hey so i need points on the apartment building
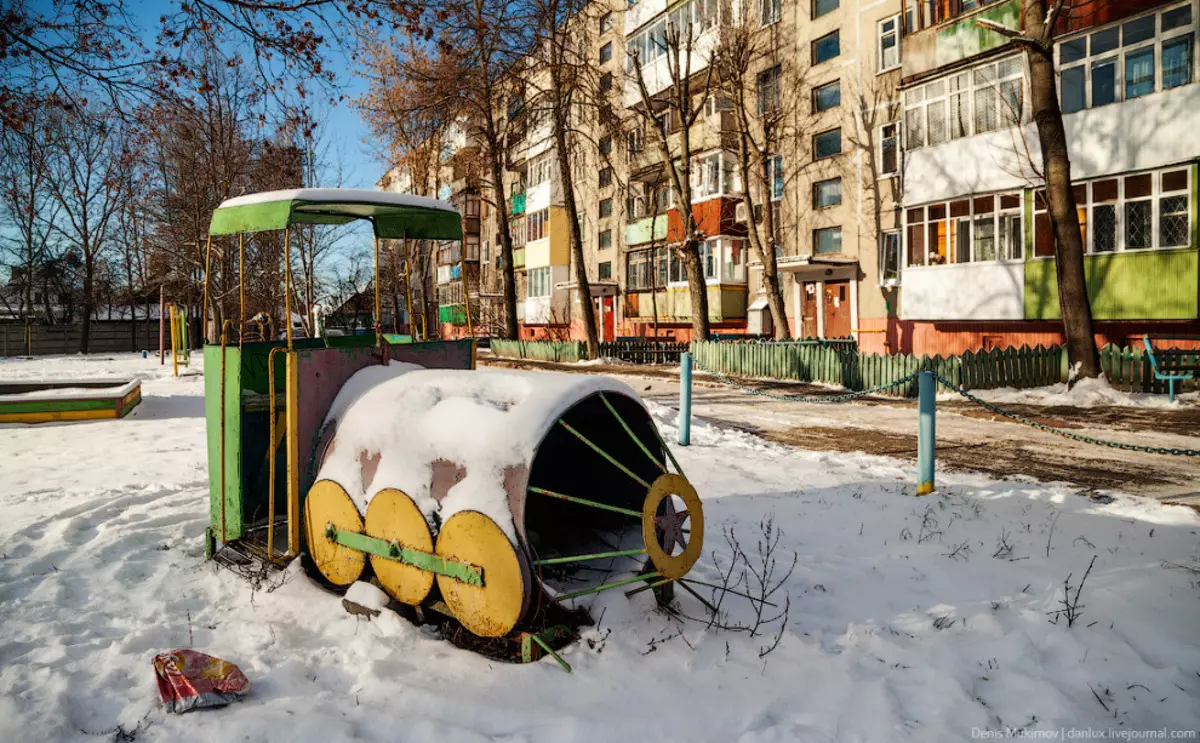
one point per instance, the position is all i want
(978, 267)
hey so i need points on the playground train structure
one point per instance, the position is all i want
(490, 500)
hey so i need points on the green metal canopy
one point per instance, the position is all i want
(393, 215)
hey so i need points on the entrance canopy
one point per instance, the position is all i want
(393, 215)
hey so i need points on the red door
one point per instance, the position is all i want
(608, 322)
(837, 309)
(808, 310)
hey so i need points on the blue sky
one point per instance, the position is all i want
(345, 130)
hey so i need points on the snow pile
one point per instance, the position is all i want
(911, 619)
(482, 421)
(1087, 393)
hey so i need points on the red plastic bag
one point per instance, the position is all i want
(189, 680)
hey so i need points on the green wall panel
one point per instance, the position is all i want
(966, 38)
(233, 437)
(1151, 285)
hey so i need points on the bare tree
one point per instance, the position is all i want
(28, 205)
(88, 180)
(563, 51)
(1041, 17)
(760, 110)
(681, 102)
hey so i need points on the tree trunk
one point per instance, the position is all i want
(1056, 167)
(89, 301)
(582, 285)
(509, 275)
(764, 248)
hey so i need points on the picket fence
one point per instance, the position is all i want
(840, 363)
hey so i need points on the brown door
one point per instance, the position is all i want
(837, 309)
(808, 310)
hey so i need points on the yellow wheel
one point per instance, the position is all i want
(672, 549)
(391, 515)
(329, 504)
(493, 609)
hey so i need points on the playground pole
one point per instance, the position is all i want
(685, 398)
(162, 328)
(926, 432)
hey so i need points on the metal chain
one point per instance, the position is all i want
(1064, 433)
(952, 386)
(802, 398)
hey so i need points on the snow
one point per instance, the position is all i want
(367, 595)
(903, 626)
(483, 421)
(116, 388)
(339, 196)
(1086, 393)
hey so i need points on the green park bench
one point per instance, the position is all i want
(1170, 365)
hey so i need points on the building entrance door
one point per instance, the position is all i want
(837, 309)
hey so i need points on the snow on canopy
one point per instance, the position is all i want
(339, 196)
(392, 215)
(482, 420)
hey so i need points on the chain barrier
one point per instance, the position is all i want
(1064, 433)
(954, 387)
(802, 398)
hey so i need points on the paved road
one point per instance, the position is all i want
(969, 437)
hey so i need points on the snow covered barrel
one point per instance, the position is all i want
(473, 481)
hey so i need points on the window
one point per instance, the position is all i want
(540, 169)
(827, 96)
(537, 225)
(827, 193)
(1127, 60)
(972, 102)
(889, 258)
(1142, 211)
(690, 17)
(606, 145)
(889, 43)
(606, 82)
(769, 99)
(775, 168)
(606, 52)
(708, 259)
(889, 149)
(821, 7)
(982, 228)
(633, 141)
(606, 177)
(715, 104)
(605, 208)
(646, 270)
(538, 282)
(770, 11)
(827, 240)
(825, 48)
(827, 144)
(715, 174)
(678, 271)
(604, 242)
(606, 23)
(605, 271)
(664, 198)
(733, 257)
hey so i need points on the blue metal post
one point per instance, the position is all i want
(926, 433)
(685, 398)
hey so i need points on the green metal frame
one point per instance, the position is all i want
(459, 571)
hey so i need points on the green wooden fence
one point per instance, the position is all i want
(643, 351)
(540, 350)
(1126, 368)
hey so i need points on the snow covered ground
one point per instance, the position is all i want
(1086, 393)
(909, 619)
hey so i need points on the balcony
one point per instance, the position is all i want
(519, 257)
(518, 203)
(957, 36)
(645, 230)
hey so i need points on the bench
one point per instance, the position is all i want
(1170, 366)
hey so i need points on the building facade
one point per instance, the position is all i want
(903, 175)
(978, 264)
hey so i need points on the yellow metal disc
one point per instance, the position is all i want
(328, 503)
(493, 609)
(662, 532)
(392, 515)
